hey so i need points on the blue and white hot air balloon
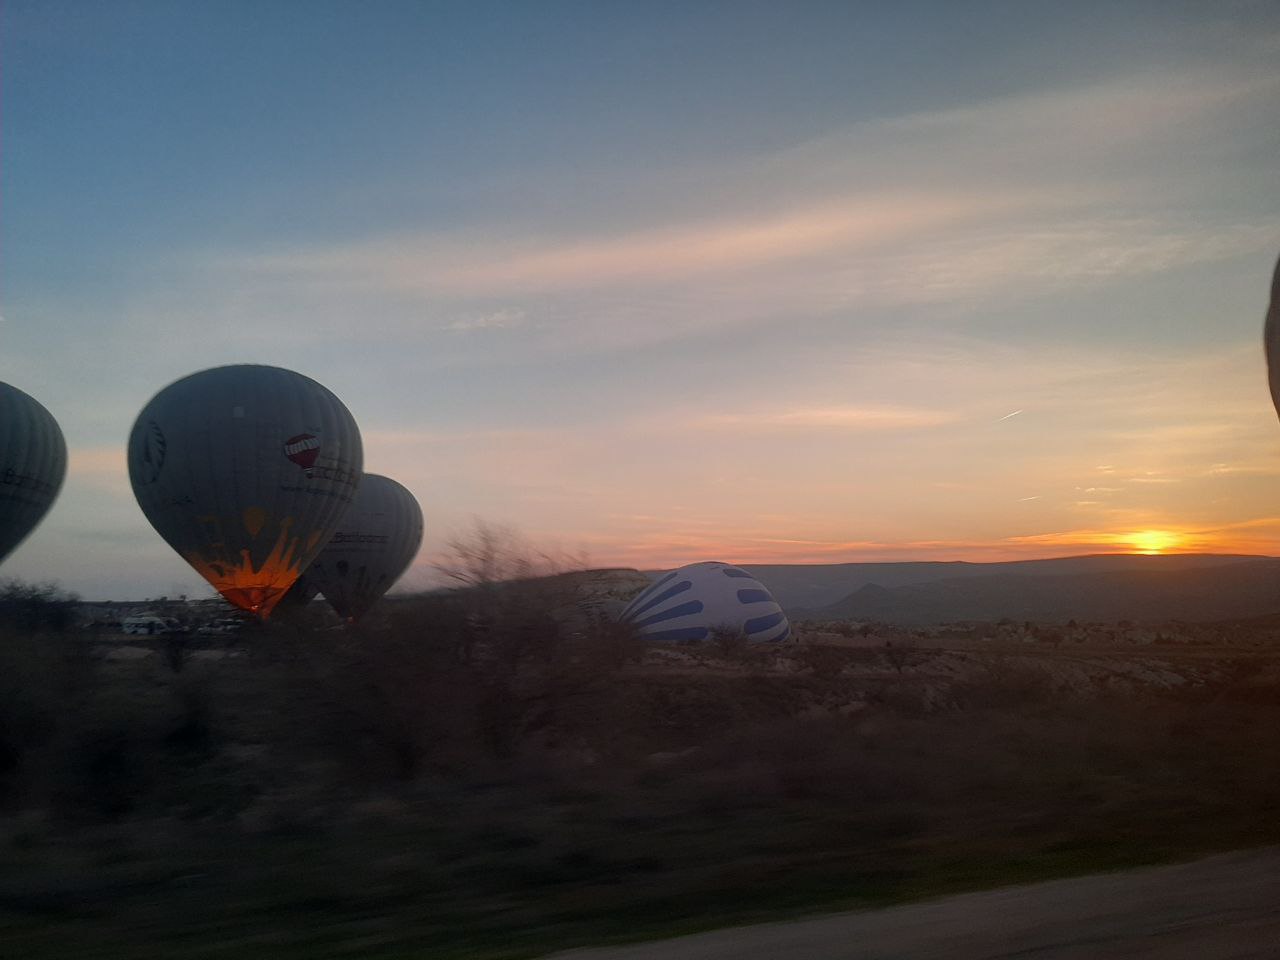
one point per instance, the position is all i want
(692, 602)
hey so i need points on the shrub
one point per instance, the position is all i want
(35, 607)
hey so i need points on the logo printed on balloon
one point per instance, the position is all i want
(303, 450)
(153, 449)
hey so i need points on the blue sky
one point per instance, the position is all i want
(665, 282)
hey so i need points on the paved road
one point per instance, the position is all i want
(1223, 908)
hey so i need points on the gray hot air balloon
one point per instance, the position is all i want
(33, 461)
(246, 472)
(375, 543)
(303, 591)
(1271, 338)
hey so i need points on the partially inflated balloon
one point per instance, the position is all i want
(375, 543)
(1271, 339)
(246, 472)
(693, 602)
(33, 462)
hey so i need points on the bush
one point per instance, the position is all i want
(31, 607)
(44, 679)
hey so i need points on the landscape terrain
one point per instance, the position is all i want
(1100, 587)
(504, 772)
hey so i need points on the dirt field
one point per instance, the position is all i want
(1223, 908)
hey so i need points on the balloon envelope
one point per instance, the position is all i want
(33, 463)
(692, 602)
(374, 544)
(245, 471)
(298, 596)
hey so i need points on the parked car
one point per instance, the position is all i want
(224, 626)
(147, 624)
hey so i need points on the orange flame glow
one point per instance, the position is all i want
(258, 589)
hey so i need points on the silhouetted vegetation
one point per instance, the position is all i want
(35, 606)
(495, 772)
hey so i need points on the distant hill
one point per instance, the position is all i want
(802, 587)
(1198, 588)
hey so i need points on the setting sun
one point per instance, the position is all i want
(1155, 541)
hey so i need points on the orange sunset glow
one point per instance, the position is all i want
(1155, 541)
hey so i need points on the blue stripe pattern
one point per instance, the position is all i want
(678, 589)
(648, 591)
(661, 580)
(760, 624)
(684, 610)
(753, 596)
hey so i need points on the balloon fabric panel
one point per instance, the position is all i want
(33, 463)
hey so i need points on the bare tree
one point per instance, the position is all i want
(488, 553)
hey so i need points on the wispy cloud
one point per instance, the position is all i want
(497, 320)
(829, 418)
(1018, 196)
(506, 265)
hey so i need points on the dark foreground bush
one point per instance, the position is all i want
(494, 774)
(35, 607)
(452, 685)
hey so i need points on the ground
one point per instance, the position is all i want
(447, 785)
(1221, 908)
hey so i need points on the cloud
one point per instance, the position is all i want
(512, 265)
(1018, 196)
(1243, 536)
(660, 551)
(497, 320)
(1067, 135)
(1053, 255)
(841, 418)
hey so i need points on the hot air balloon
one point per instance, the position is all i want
(303, 591)
(374, 544)
(1271, 339)
(692, 602)
(33, 462)
(245, 471)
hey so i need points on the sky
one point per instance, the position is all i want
(660, 282)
